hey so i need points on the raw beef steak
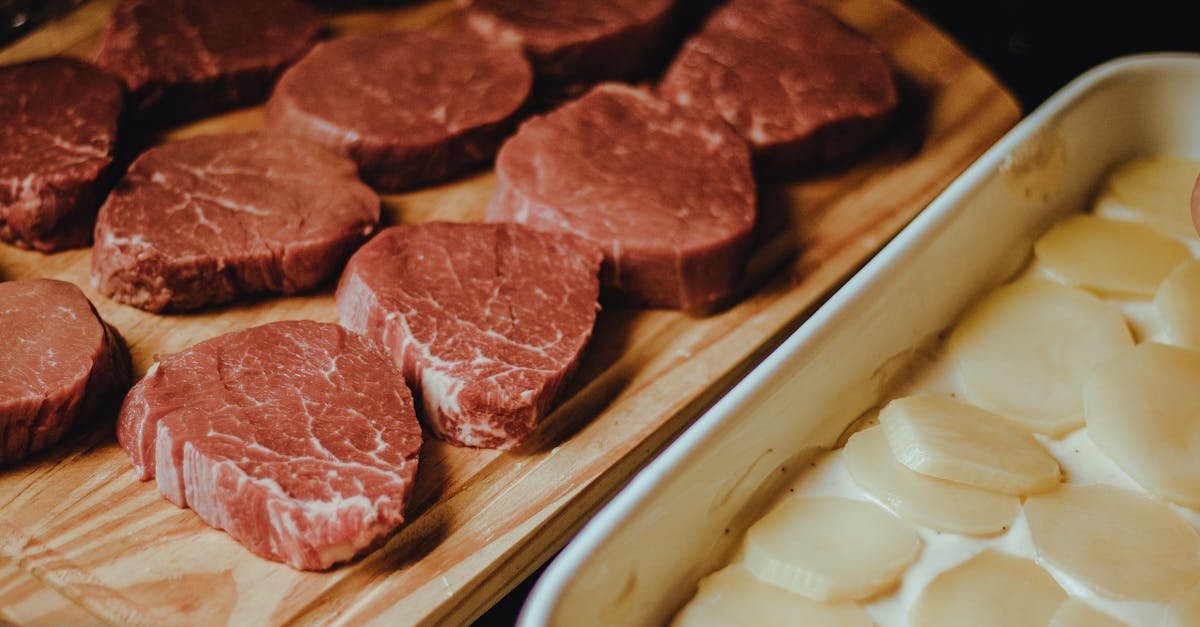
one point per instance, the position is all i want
(205, 220)
(487, 321)
(796, 83)
(60, 364)
(569, 39)
(58, 130)
(297, 438)
(665, 192)
(410, 107)
(183, 58)
(1196, 205)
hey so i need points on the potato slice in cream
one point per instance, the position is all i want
(921, 499)
(1178, 304)
(1116, 541)
(944, 438)
(992, 589)
(1025, 350)
(1155, 189)
(830, 548)
(1077, 613)
(1113, 256)
(1142, 409)
(732, 596)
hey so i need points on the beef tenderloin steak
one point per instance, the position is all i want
(58, 130)
(667, 193)
(206, 220)
(487, 321)
(1196, 205)
(800, 86)
(60, 364)
(182, 58)
(410, 107)
(576, 39)
(297, 438)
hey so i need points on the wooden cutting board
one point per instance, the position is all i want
(81, 540)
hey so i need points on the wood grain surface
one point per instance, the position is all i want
(81, 540)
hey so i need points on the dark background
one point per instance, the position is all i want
(1034, 48)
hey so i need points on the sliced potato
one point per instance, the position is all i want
(1077, 613)
(1142, 410)
(1178, 303)
(921, 499)
(1026, 349)
(1157, 189)
(1118, 542)
(1185, 611)
(830, 548)
(1113, 256)
(944, 438)
(990, 589)
(732, 596)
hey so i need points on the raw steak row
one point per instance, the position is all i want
(297, 438)
(797, 84)
(487, 321)
(409, 107)
(184, 58)
(58, 130)
(206, 220)
(666, 192)
(60, 364)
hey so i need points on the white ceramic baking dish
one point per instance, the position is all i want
(639, 559)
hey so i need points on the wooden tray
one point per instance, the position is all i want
(82, 540)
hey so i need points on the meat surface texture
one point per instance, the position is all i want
(205, 220)
(487, 321)
(297, 438)
(667, 193)
(1196, 205)
(576, 39)
(60, 365)
(800, 86)
(185, 58)
(58, 130)
(410, 107)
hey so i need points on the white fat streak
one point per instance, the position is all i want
(473, 434)
(26, 191)
(758, 129)
(79, 149)
(353, 308)
(136, 240)
(440, 388)
(326, 128)
(136, 404)
(168, 476)
(440, 392)
(284, 512)
(288, 539)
